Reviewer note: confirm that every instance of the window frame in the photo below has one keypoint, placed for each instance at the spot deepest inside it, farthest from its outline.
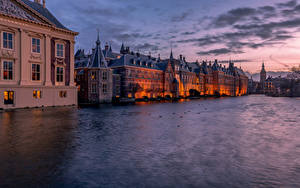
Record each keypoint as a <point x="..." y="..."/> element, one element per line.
<point x="37" y="94"/>
<point x="94" y="88"/>
<point x="12" y="41"/>
<point x="3" y="70"/>
<point x="104" y="89"/>
<point x="38" y="46"/>
<point x="35" y="72"/>
<point x="56" y="74"/>
<point x="104" y="76"/>
<point x="56" y="50"/>
<point x="9" y="101"/>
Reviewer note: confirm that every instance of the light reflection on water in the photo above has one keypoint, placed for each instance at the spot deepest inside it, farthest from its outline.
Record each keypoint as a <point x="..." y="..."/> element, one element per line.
<point x="249" y="141"/>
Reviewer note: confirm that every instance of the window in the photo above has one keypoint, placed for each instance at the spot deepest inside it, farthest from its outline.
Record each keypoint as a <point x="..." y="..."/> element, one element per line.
<point x="59" y="50"/>
<point x="104" y="89"/>
<point x="9" y="97"/>
<point x="63" y="94"/>
<point x="59" y="74"/>
<point x="94" y="88"/>
<point x="7" y="40"/>
<point x="7" y="70"/>
<point x="94" y="75"/>
<point x="36" y="72"/>
<point x="36" y="45"/>
<point x="37" y="94"/>
<point x="104" y="76"/>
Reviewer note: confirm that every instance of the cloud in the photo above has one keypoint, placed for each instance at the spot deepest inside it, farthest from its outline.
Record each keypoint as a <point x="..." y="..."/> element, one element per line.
<point x="220" y="51"/>
<point x="292" y="3"/>
<point x="233" y="16"/>
<point x="146" y="46"/>
<point x="188" y="33"/>
<point x="181" y="17"/>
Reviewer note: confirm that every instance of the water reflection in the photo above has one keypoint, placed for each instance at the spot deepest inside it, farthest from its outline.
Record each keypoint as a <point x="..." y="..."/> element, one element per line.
<point x="34" y="145"/>
<point x="228" y="142"/>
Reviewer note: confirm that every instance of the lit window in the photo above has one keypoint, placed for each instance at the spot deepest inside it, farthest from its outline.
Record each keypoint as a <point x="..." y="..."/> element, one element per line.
<point x="94" y="88"/>
<point x="7" y="70"/>
<point x="104" y="76"/>
<point x="59" y="50"/>
<point x="104" y="89"/>
<point x="37" y="94"/>
<point x="59" y="74"/>
<point x="9" y="97"/>
<point x="36" y="72"/>
<point x="7" y="40"/>
<point x="63" y="94"/>
<point x="36" y="45"/>
<point x="94" y="75"/>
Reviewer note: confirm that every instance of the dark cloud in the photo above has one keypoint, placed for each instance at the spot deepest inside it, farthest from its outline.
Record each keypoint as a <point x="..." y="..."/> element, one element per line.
<point x="132" y="36"/>
<point x="181" y="17"/>
<point x="292" y="3"/>
<point x="220" y="51"/>
<point x="188" y="33"/>
<point x="146" y="46"/>
<point x="251" y="28"/>
<point x="234" y="16"/>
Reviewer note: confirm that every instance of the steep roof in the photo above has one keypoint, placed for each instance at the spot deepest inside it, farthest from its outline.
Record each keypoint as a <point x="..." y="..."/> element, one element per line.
<point x="97" y="59"/>
<point x="44" y="12"/>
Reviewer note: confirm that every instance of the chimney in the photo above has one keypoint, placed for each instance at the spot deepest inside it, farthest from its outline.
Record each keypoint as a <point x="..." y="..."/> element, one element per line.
<point x="37" y="1"/>
<point x="44" y="3"/>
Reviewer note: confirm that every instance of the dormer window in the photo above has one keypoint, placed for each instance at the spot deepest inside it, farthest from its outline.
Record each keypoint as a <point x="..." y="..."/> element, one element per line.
<point x="60" y="50"/>
<point x="8" y="40"/>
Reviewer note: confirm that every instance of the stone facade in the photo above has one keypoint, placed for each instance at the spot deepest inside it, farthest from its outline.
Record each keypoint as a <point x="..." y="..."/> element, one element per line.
<point x="36" y="57"/>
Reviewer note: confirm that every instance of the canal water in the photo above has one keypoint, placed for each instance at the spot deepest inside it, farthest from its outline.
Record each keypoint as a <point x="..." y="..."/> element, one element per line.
<point x="251" y="141"/>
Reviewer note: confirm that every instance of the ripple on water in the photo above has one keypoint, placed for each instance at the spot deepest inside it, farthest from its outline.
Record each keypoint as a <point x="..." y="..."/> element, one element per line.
<point x="250" y="141"/>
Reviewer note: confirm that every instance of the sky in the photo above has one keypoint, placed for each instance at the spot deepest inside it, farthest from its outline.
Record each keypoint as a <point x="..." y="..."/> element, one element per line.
<point x="247" y="32"/>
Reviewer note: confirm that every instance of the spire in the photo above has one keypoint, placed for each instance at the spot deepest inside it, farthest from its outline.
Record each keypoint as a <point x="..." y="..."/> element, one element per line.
<point x="171" y="55"/>
<point x="98" y="38"/>
<point x="263" y="67"/>
<point x="97" y="59"/>
<point x="122" y="48"/>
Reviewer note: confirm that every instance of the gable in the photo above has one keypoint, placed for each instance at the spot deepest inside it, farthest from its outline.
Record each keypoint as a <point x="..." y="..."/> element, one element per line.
<point x="9" y="8"/>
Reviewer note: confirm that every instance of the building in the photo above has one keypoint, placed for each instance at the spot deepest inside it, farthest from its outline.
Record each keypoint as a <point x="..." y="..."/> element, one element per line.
<point x="36" y="57"/>
<point x="139" y="76"/>
<point x="263" y="78"/>
<point x="93" y="76"/>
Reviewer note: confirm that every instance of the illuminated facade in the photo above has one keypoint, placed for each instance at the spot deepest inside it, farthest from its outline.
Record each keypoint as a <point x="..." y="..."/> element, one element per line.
<point x="141" y="76"/>
<point x="36" y="57"/>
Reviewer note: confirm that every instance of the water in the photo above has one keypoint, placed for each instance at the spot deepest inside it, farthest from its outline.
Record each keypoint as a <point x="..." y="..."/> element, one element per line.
<point x="251" y="141"/>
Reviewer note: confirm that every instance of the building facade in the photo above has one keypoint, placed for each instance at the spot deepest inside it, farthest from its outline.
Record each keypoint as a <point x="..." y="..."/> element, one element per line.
<point x="36" y="57"/>
<point x="138" y="76"/>
<point x="93" y="77"/>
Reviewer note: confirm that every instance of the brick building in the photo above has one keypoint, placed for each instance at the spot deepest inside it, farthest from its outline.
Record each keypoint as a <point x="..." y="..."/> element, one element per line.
<point x="141" y="76"/>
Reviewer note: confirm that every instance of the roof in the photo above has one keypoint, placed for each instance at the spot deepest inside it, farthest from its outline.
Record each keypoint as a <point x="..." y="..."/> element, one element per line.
<point x="135" y="60"/>
<point x="44" y="12"/>
<point x="97" y="59"/>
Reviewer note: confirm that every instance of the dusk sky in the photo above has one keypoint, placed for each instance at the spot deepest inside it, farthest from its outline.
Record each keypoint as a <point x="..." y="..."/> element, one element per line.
<point x="246" y="31"/>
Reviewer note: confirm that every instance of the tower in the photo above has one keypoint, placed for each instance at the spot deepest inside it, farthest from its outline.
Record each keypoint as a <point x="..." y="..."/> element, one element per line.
<point x="263" y="77"/>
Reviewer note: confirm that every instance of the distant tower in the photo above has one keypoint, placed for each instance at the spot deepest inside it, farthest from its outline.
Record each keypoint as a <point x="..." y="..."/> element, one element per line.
<point x="263" y="77"/>
<point x="171" y="55"/>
